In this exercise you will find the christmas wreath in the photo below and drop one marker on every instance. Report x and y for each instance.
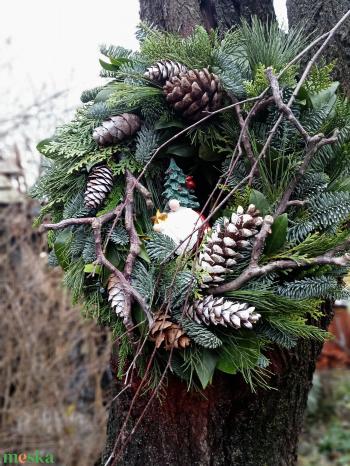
(200, 200)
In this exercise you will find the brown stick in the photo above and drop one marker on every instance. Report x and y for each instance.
(285, 264)
(96, 224)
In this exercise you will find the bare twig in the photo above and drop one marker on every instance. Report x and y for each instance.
(260, 240)
(96, 224)
(285, 264)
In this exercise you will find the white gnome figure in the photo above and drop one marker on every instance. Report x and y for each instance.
(181, 224)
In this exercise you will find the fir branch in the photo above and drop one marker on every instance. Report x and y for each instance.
(96, 224)
(160, 247)
(198, 333)
(309, 287)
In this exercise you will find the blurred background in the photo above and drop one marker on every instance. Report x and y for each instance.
(54, 364)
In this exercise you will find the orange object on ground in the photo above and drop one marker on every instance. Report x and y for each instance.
(336, 352)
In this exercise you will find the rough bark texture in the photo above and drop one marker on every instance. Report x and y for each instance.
(183, 15)
(320, 17)
(227, 424)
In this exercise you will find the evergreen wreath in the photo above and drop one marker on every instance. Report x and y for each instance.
(201, 200)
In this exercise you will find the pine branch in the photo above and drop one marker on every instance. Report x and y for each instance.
(96, 224)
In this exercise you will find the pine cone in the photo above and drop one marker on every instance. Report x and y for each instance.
(116, 297)
(216, 311)
(164, 70)
(221, 248)
(116, 128)
(169, 333)
(99, 184)
(194, 92)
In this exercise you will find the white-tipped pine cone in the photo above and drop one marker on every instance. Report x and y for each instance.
(164, 70)
(116, 297)
(99, 184)
(220, 311)
(193, 93)
(167, 333)
(116, 128)
(223, 246)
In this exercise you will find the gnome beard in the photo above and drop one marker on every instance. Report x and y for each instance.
(183, 225)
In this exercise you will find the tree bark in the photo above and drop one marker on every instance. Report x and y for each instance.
(227, 424)
(183, 15)
(320, 18)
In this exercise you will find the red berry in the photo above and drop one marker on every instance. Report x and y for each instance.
(190, 183)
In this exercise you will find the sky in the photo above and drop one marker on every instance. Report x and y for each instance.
(52, 45)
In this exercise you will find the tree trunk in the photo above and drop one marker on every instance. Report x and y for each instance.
(319, 18)
(183, 15)
(227, 424)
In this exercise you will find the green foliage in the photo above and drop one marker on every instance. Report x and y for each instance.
(313, 245)
(195, 51)
(265, 44)
(240, 353)
(127, 97)
(270, 304)
(311, 184)
(324, 211)
(147, 142)
(144, 281)
(160, 247)
(319, 78)
(310, 287)
(260, 82)
(297, 327)
(74, 279)
(200, 334)
(278, 235)
(90, 94)
(267, 331)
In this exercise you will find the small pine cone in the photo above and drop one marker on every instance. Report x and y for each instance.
(194, 92)
(219, 311)
(164, 70)
(116, 128)
(171, 334)
(99, 184)
(116, 297)
(221, 248)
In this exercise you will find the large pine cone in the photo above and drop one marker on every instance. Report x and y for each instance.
(223, 246)
(164, 331)
(116, 297)
(216, 311)
(99, 184)
(193, 93)
(164, 70)
(116, 128)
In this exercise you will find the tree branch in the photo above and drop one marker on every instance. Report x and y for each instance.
(96, 224)
(257, 271)
(260, 240)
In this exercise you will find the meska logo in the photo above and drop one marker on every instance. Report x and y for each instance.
(26, 458)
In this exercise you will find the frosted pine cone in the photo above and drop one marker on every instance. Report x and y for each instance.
(164, 331)
(116, 297)
(218, 311)
(164, 70)
(193, 93)
(99, 184)
(116, 128)
(223, 246)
